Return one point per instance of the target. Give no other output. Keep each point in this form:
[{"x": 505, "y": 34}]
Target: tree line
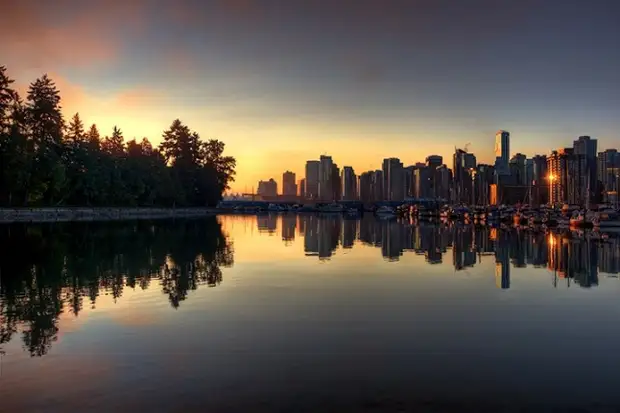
[{"x": 46, "y": 162}]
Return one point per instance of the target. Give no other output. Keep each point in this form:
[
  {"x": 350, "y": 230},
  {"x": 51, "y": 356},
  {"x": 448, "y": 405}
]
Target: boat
[
  {"x": 580, "y": 219},
  {"x": 385, "y": 211},
  {"x": 332, "y": 208},
  {"x": 275, "y": 208},
  {"x": 606, "y": 219}
]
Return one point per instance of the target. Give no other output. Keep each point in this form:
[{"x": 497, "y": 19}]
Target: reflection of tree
[{"x": 68, "y": 262}]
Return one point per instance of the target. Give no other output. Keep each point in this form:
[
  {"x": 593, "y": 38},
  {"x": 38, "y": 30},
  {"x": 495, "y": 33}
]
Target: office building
[
  {"x": 336, "y": 184},
  {"x": 326, "y": 170},
  {"x": 301, "y": 188},
  {"x": 517, "y": 167},
  {"x": 312, "y": 179},
  {"x": 393, "y": 180},
  {"x": 443, "y": 182},
  {"x": 540, "y": 183},
  {"x": 608, "y": 174},
  {"x": 585, "y": 147},
  {"x": 268, "y": 188},
  {"x": 502, "y": 150},
  {"x": 463, "y": 165},
  {"x": 408, "y": 181},
  {"x": 349, "y": 184},
  {"x": 483, "y": 177},
  {"x": 432, "y": 163},
  {"x": 422, "y": 183},
  {"x": 289, "y": 187},
  {"x": 565, "y": 177}
]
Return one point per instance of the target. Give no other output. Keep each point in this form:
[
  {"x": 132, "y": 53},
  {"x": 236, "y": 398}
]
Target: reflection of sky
[
  {"x": 288, "y": 328},
  {"x": 295, "y": 79}
]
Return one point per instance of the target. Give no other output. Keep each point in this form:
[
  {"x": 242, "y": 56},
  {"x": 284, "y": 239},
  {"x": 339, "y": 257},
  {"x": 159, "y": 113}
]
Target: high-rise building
[
  {"x": 565, "y": 177},
  {"x": 502, "y": 149},
  {"x": 422, "y": 182},
  {"x": 432, "y": 163},
  {"x": 408, "y": 181},
  {"x": 301, "y": 188},
  {"x": 464, "y": 164},
  {"x": 336, "y": 184},
  {"x": 312, "y": 179},
  {"x": 393, "y": 180},
  {"x": 608, "y": 174},
  {"x": 326, "y": 170},
  {"x": 586, "y": 148},
  {"x": 289, "y": 187},
  {"x": 443, "y": 182},
  {"x": 366, "y": 193},
  {"x": 377, "y": 185},
  {"x": 268, "y": 188},
  {"x": 348, "y": 184},
  {"x": 483, "y": 178},
  {"x": 518, "y": 169},
  {"x": 540, "y": 183}
]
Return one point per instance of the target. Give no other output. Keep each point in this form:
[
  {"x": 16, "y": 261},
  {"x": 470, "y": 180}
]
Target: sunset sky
[{"x": 283, "y": 81}]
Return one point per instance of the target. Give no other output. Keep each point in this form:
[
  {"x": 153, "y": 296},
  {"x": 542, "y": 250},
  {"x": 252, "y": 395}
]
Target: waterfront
[{"x": 304, "y": 313}]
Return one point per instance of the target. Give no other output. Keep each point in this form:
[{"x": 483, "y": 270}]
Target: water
[{"x": 302, "y": 313}]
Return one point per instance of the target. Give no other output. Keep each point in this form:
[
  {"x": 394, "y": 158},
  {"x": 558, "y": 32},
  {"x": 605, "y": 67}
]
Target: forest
[{"x": 46, "y": 161}]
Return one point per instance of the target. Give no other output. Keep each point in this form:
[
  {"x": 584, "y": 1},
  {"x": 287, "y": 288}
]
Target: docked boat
[
  {"x": 333, "y": 207},
  {"x": 606, "y": 219},
  {"x": 580, "y": 219},
  {"x": 385, "y": 211}
]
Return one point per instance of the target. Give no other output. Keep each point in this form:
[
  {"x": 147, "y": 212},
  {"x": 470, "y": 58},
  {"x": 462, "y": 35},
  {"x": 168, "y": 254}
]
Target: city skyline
[{"x": 378, "y": 80}]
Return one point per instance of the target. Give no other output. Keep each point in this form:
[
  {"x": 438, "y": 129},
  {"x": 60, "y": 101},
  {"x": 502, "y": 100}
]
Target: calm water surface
[{"x": 305, "y": 313}]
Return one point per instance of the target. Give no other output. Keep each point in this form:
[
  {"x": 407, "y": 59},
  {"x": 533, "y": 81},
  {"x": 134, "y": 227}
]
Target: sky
[{"x": 284, "y": 81}]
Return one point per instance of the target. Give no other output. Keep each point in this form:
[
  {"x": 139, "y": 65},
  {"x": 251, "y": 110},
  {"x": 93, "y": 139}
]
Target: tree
[
  {"x": 114, "y": 145},
  {"x": 93, "y": 138},
  {"x": 14, "y": 153},
  {"x": 212, "y": 153},
  {"x": 42, "y": 163},
  {"x": 75, "y": 131},
  {"x": 45, "y": 124}
]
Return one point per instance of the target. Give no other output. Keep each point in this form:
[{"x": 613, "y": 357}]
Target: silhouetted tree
[{"x": 44, "y": 164}]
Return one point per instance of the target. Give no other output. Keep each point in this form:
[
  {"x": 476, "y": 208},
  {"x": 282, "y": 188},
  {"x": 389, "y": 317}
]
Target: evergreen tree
[
  {"x": 42, "y": 166},
  {"x": 45, "y": 124}
]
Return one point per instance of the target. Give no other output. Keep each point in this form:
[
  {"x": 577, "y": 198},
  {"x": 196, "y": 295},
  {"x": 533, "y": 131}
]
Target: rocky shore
[{"x": 8, "y": 215}]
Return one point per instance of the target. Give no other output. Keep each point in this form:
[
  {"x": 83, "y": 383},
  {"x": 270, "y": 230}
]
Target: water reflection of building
[
  {"x": 570, "y": 257},
  {"x": 573, "y": 259},
  {"x": 463, "y": 255},
  {"x": 502, "y": 259},
  {"x": 267, "y": 223},
  {"x": 289, "y": 222},
  {"x": 349, "y": 232}
]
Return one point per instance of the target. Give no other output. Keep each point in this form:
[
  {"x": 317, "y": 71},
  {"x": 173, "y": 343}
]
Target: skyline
[{"x": 284, "y": 82}]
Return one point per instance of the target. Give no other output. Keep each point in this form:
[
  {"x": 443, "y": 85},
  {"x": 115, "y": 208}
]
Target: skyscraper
[
  {"x": 463, "y": 165},
  {"x": 325, "y": 178},
  {"x": 502, "y": 149},
  {"x": 393, "y": 179},
  {"x": 301, "y": 188},
  {"x": 585, "y": 148},
  {"x": 565, "y": 177},
  {"x": 349, "y": 184},
  {"x": 289, "y": 187},
  {"x": 608, "y": 173},
  {"x": 312, "y": 179},
  {"x": 540, "y": 183},
  {"x": 268, "y": 188},
  {"x": 518, "y": 169},
  {"x": 336, "y": 184}
]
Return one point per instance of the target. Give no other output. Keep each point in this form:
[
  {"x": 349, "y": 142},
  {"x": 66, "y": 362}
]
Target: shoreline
[{"x": 68, "y": 214}]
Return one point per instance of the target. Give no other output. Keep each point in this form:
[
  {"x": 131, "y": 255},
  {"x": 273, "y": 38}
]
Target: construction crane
[{"x": 466, "y": 147}]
